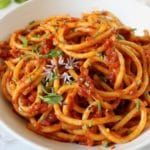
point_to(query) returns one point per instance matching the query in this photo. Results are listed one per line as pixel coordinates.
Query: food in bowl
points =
(83, 80)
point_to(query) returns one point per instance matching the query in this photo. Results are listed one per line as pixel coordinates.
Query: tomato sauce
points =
(4, 50)
(51, 119)
(47, 45)
(86, 84)
(111, 60)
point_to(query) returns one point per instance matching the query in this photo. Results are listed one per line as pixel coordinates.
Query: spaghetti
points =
(82, 80)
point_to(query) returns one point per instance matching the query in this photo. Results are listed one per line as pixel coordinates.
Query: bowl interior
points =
(40, 9)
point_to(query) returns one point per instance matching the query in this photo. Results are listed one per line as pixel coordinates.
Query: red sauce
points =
(97, 114)
(109, 43)
(89, 39)
(32, 97)
(39, 107)
(43, 107)
(51, 119)
(45, 123)
(38, 128)
(15, 52)
(2, 68)
(86, 84)
(47, 46)
(28, 101)
(4, 50)
(90, 141)
(74, 19)
(147, 53)
(111, 59)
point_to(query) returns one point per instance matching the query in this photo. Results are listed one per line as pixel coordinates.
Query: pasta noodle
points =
(82, 80)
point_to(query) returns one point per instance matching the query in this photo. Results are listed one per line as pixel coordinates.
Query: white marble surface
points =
(7, 141)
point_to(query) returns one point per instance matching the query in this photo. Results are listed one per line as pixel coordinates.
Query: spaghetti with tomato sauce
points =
(83, 80)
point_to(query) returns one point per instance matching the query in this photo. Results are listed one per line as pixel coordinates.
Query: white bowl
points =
(130, 12)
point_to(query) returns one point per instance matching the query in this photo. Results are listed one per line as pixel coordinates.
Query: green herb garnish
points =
(4, 3)
(138, 104)
(36, 48)
(99, 105)
(52, 98)
(47, 35)
(24, 41)
(31, 22)
(44, 90)
(96, 34)
(54, 76)
(120, 37)
(37, 36)
(54, 53)
(20, 1)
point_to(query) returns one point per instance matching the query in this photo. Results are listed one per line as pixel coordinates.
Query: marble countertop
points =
(7, 141)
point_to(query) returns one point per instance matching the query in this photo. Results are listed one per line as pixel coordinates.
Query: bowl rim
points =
(32, 143)
(3, 124)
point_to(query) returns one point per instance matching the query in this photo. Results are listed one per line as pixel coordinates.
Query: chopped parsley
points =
(99, 105)
(31, 22)
(47, 35)
(24, 41)
(37, 36)
(36, 48)
(44, 90)
(138, 104)
(96, 34)
(54, 76)
(52, 98)
(120, 37)
(54, 53)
